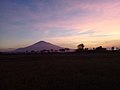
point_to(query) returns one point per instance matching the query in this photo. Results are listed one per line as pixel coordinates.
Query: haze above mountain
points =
(41, 45)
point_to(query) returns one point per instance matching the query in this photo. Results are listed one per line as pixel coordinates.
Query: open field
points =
(69, 72)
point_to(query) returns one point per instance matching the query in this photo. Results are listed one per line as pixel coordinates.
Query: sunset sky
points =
(62, 22)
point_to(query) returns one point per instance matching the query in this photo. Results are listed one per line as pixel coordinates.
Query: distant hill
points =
(39, 46)
(7, 50)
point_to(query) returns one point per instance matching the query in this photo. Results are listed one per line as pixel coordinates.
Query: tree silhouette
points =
(32, 51)
(51, 50)
(43, 51)
(112, 48)
(100, 48)
(62, 50)
(67, 49)
(86, 49)
(80, 46)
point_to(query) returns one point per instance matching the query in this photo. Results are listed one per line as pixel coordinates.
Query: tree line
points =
(80, 49)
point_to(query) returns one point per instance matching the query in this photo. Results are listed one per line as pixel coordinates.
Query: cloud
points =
(51, 19)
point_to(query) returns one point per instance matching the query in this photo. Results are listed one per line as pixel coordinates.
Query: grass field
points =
(53, 72)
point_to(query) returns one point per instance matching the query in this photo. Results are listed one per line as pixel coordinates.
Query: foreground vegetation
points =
(71, 71)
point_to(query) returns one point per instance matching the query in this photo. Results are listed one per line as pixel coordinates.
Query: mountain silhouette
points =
(39, 46)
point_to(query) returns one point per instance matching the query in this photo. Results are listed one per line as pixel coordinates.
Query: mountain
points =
(42, 45)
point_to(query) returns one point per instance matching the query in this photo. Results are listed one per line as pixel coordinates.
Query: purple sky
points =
(62, 22)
